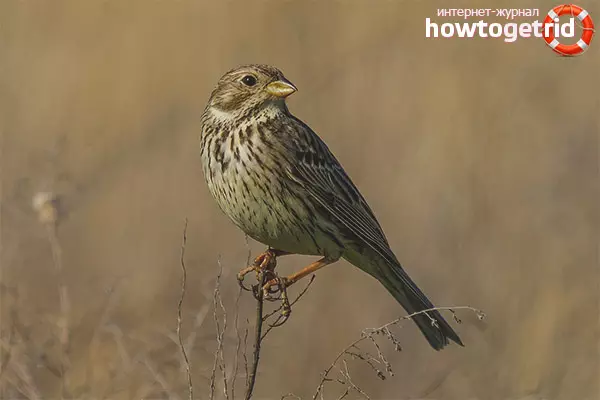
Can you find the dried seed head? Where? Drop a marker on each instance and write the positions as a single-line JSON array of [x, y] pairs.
[[44, 203]]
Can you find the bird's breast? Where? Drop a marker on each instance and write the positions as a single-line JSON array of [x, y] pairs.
[[248, 183], [248, 170]]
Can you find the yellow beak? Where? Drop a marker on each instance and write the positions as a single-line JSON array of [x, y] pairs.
[[281, 88]]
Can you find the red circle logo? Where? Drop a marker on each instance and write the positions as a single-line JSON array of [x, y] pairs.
[[568, 49]]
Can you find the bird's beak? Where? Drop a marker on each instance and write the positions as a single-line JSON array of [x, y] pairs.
[[281, 88]]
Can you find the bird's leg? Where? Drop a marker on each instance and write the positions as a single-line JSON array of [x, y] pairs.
[[286, 307], [266, 261], [284, 283]]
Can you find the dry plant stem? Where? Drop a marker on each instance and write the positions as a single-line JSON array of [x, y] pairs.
[[282, 316], [222, 366], [264, 274], [179, 311], [260, 320], [15, 348], [345, 394], [164, 384], [290, 396], [348, 380], [368, 334], [257, 334], [370, 360], [23, 382], [245, 353], [237, 328], [65, 305], [111, 301], [7, 342], [238, 345], [30, 389], [219, 361]]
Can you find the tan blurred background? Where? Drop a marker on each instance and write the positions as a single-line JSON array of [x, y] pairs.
[[480, 158]]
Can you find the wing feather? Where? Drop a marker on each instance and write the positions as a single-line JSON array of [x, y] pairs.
[[321, 175]]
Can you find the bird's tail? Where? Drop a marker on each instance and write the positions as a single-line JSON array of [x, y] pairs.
[[434, 327]]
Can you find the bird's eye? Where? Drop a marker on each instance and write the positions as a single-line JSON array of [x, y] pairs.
[[249, 80]]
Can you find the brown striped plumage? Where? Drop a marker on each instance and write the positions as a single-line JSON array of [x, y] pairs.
[[279, 183]]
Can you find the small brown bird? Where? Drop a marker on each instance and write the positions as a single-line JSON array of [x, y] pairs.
[[280, 184]]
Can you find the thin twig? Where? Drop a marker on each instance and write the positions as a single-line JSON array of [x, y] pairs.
[[260, 320], [218, 357], [179, 312], [381, 357], [221, 355], [346, 374], [45, 203], [312, 278], [369, 333], [237, 328], [276, 323], [198, 322], [345, 394], [158, 377], [238, 344], [24, 380], [370, 360], [245, 354], [30, 389], [257, 334], [110, 302], [290, 396]]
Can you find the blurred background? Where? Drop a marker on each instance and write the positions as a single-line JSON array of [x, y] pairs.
[[479, 157]]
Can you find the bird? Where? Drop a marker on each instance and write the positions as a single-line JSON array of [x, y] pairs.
[[278, 181]]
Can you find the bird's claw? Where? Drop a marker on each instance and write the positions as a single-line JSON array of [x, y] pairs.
[[265, 262], [278, 285], [242, 274]]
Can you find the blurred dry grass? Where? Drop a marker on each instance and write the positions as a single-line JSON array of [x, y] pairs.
[[479, 157]]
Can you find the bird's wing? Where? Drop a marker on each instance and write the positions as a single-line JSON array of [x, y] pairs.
[[318, 171]]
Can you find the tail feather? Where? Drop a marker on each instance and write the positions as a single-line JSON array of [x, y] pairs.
[[434, 327]]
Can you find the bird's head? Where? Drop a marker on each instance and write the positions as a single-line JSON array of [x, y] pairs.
[[250, 86]]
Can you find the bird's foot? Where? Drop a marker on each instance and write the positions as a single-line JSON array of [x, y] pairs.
[[265, 263], [278, 286]]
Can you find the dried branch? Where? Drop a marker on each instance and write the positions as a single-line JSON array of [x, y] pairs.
[[23, 381], [236, 318], [219, 359], [291, 396], [277, 322], [259, 337], [257, 333], [245, 353], [45, 203], [30, 389], [179, 312], [221, 352], [369, 334], [348, 380], [238, 344], [158, 377]]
